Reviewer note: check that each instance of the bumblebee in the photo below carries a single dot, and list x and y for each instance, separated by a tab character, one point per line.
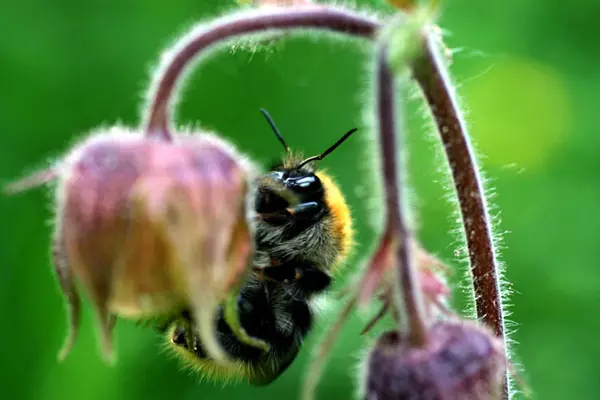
297	248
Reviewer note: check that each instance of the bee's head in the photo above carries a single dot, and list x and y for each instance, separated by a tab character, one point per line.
292	185
286	185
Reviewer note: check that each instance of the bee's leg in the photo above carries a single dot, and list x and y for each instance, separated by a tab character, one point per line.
188	335
67	284
312	280
258	319
231	310
286	344
182	330
309	279
233	319
310	211
265	377
304	208
184	333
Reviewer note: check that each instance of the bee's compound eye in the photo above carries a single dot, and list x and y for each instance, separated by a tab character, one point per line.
178	337
303	184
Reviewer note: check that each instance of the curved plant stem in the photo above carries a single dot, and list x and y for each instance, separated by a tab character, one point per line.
430	73
390	145
322	350
205	36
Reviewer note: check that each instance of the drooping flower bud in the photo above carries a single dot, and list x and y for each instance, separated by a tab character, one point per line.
150	227
461	361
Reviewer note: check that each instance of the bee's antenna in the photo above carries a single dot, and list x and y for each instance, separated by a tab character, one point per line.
275	130
329	150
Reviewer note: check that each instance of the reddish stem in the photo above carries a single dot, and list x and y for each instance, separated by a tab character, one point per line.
430	73
390	142
202	38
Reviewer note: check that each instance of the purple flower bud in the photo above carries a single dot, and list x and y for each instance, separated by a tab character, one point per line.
461	361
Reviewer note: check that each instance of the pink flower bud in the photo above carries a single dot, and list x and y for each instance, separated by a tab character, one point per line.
150	227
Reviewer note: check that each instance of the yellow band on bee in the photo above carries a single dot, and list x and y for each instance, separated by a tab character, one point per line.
341	218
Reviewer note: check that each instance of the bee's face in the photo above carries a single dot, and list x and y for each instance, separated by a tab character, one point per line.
289	188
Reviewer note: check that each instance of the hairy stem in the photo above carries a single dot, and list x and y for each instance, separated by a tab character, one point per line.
205	36
390	142
431	75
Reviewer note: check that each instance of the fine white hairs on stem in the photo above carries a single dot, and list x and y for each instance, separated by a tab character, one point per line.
408	293
205	37
431	75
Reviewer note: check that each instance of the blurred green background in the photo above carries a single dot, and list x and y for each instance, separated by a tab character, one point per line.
528	75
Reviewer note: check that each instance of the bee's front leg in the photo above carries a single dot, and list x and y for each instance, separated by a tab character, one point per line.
307	208
307	278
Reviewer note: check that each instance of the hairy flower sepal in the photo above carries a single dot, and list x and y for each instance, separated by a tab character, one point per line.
404	36
149	228
461	361
378	274
379	279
